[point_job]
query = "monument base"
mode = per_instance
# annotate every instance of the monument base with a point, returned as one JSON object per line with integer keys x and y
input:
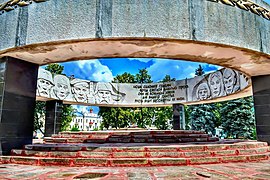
{"x": 116, "y": 149}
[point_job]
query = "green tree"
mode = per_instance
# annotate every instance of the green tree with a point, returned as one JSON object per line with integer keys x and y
{"x": 168, "y": 78}
{"x": 67, "y": 116}
{"x": 203, "y": 118}
{"x": 143, "y": 76}
{"x": 163, "y": 116}
{"x": 39, "y": 116}
{"x": 199, "y": 71}
{"x": 124, "y": 78}
{"x": 115, "y": 117}
{"x": 118, "y": 117}
{"x": 238, "y": 118}
{"x": 55, "y": 68}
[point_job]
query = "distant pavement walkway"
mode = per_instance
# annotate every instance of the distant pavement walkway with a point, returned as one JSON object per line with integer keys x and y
{"x": 260, "y": 170}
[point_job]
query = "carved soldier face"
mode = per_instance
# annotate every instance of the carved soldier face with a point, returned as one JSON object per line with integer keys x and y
{"x": 203, "y": 91}
{"x": 80, "y": 90}
{"x": 215, "y": 85}
{"x": 62, "y": 87}
{"x": 44, "y": 87}
{"x": 229, "y": 80}
{"x": 104, "y": 96}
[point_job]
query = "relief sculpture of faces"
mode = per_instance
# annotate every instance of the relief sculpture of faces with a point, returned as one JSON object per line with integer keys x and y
{"x": 62, "y": 86}
{"x": 106, "y": 94}
{"x": 216, "y": 84}
{"x": 103, "y": 93}
{"x": 80, "y": 90}
{"x": 203, "y": 91}
{"x": 229, "y": 79}
{"x": 44, "y": 83}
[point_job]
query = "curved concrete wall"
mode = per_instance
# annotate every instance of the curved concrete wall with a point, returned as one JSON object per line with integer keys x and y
{"x": 223, "y": 83}
{"x": 208, "y": 31}
{"x": 198, "y": 20}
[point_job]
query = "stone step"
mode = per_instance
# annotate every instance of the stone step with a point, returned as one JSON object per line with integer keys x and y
{"x": 149, "y": 147}
{"x": 118, "y": 162}
{"x": 140, "y": 153}
{"x": 139, "y": 132}
{"x": 135, "y": 152}
{"x": 133, "y": 138}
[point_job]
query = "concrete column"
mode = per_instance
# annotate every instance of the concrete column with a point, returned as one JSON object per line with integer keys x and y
{"x": 178, "y": 117}
{"x": 261, "y": 94}
{"x": 18, "y": 81}
{"x": 53, "y": 117}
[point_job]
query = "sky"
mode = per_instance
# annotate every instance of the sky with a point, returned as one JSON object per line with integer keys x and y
{"x": 104, "y": 70}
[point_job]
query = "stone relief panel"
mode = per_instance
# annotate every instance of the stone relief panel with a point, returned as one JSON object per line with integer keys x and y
{"x": 107, "y": 93}
{"x": 77, "y": 91}
{"x": 220, "y": 83}
{"x": 44, "y": 83}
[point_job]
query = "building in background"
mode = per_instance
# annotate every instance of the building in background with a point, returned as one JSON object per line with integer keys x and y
{"x": 86, "y": 121}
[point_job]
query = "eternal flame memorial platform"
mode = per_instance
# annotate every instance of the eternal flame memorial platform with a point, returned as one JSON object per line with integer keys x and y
{"x": 233, "y": 34}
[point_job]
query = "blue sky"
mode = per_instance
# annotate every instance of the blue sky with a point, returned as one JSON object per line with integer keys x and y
{"x": 106, "y": 69}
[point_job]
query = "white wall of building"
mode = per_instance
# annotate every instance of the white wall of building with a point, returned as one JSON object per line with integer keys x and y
{"x": 86, "y": 121}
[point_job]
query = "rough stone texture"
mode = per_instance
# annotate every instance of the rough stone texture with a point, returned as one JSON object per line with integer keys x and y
{"x": 61, "y": 20}
{"x": 215, "y": 171}
{"x": 8, "y": 29}
{"x": 168, "y": 161}
{"x": 186, "y": 19}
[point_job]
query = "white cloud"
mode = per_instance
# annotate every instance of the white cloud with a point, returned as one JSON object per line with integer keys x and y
{"x": 94, "y": 70}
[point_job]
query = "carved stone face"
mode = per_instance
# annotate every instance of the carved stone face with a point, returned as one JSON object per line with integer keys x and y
{"x": 104, "y": 96}
{"x": 80, "y": 90}
{"x": 203, "y": 91}
{"x": 43, "y": 87}
{"x": 229, "y": 80}
{"x": 215, "y": 85}
{"x": 62, "y": 87}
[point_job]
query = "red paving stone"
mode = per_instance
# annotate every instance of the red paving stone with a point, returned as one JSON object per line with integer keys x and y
{"x": 260, "y": 170}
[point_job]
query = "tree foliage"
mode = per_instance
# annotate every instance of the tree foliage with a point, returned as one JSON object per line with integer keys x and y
{"x": 67, "y": 116}
{"x": 238, "y": 118}
{"x": 143, "y": 76}
{"x": 124, "y": 78}
{"x": 39, "y": 116}
{"x": 163, "y": 116}
{"x": 203, "y": 118}
{"x": 143, "y": 117}
{"x": 55, "y": 68}
{"x": 199, "y": 71}
{"x": 115, "y": 117}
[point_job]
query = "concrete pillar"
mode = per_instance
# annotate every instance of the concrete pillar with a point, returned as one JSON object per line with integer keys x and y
{"x": 18, "y": 81}
{"x": 261, "y": 94}
{"x": 178, "y": 117}
{"x": 53, "y": 117}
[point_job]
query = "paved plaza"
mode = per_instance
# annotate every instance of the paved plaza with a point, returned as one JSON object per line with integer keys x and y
{"x": 241, "y": 171}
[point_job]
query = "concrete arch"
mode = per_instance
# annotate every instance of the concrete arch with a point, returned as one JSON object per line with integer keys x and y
{"x": 233, "y": 34}
{"x": 228, "y": 33}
